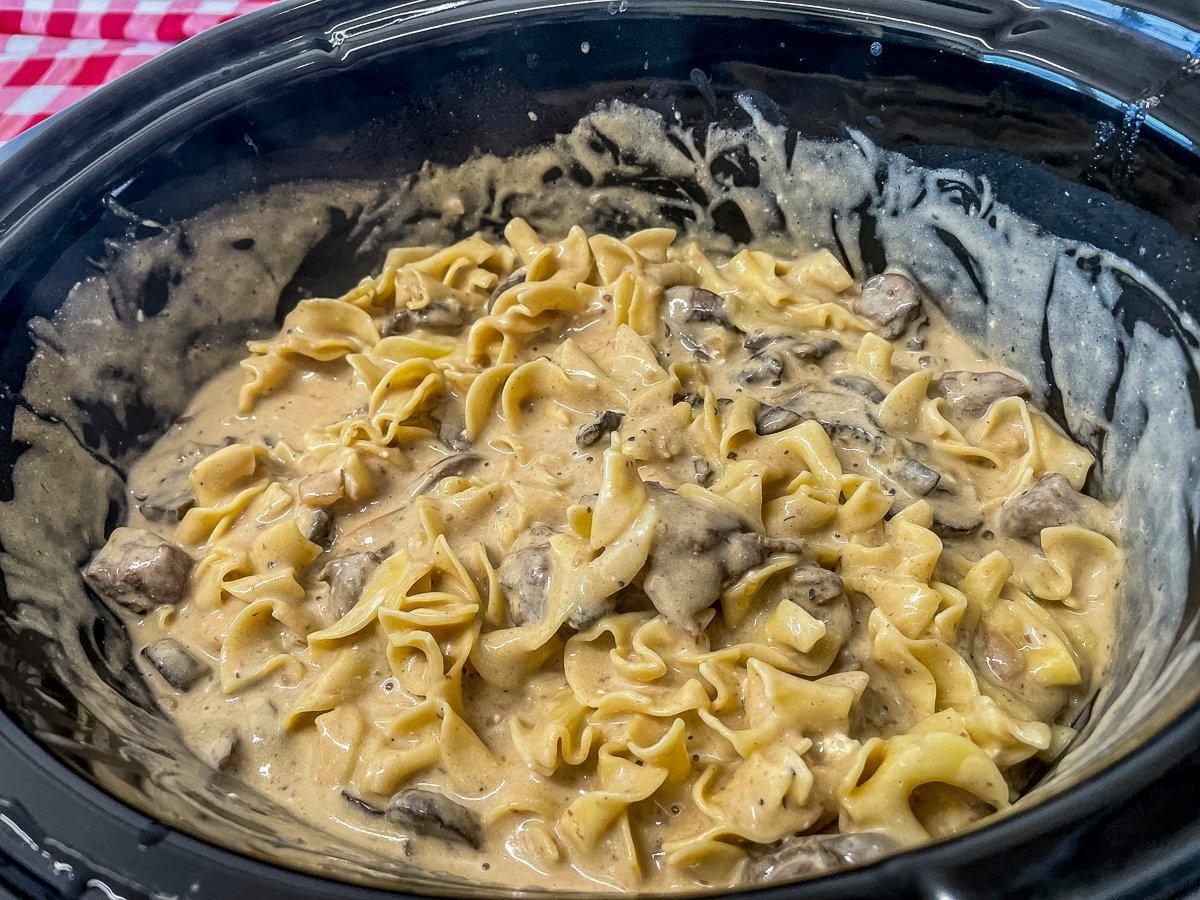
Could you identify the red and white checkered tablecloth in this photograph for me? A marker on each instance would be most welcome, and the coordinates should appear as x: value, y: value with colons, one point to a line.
x: 54, y: 52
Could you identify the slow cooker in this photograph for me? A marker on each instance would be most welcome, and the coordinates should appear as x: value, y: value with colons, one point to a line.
x: 1080, y: 115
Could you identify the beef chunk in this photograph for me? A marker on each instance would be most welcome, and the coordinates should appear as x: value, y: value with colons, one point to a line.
x: 889, y: 302
x: 1049, y: 502
x: 139, y: 570
x: 971, y: 394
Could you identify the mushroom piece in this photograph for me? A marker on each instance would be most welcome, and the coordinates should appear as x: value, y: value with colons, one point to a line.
x: 434, y: 815
x: 604, y: 425
x: 765, y: 366
x: 818, y: 348
x: 996, y: 657
x: 1050, y: 501
x: 816, y: 584
x: 842, y: 416
x: 763, y: 339
x: 346, y: 576
x: 517, y: 277
x: 972, y: 394
x: 814, y: 854
x: 864, y: 387
x: 315, y: 523
x: 175, y: 663
x: 956, y: 509
x: 169, y: 500
x: 889, y: 302
x: 452, y: 429
x: 139, y: 570
x: 222, y: 751
x: 437, y: 315
x: 702, y: 471
x: 686, y: 304
x: 773, y: 419
x: 915, y: 477
x: 525, y: 574
x: 172, y: 496
x: 696, y: 552
x: 454, y: 464
x: 322, y: 488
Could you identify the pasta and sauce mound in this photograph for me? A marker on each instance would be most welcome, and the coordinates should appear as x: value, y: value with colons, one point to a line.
x: 600, y: 562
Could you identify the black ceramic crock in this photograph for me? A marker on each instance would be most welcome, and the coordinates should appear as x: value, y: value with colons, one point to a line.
x: 1034, y: 95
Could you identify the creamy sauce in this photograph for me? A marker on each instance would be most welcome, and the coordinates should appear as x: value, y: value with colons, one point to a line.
x: 1048, y: 307
x: 1037, y: 647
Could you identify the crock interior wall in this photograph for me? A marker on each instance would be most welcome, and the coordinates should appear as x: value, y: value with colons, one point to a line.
x: 383, y: 113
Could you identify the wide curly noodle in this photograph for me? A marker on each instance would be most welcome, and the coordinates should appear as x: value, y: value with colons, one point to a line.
x: 628, y: 750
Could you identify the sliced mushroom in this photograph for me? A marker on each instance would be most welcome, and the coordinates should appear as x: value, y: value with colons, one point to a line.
x: 454, y: 464
x: 915, y: 477
x: 972, y: 394
x: 171, y: 497
x: 434, y: 815
x: 864, y: 387
x: 437, y: 315
x: 169, y: 500
x: 996, y: 657
x: 178, y: 667
x: 842, y: 416
x: 773, y: 419
x: 517, y: 277
x: 361, y: 805
x: 766, y: 366
x: 139, y: 570
x: 815, y: 854
x: 702, y: 471
x: 687, y: 304
x: 696, y: 552
x: 889, y: 302
x: 222, y: 751
x: 315, y: 523
x: 816, y: 584
x: 1049, y: 502
x: 525, y: 574
x: 762, y: 339
x: 452, y: 429
x: 604, y: 425
x: 956, y: 509
x: 814, y: 349
x: 346, y: 576
x: 322, y: 488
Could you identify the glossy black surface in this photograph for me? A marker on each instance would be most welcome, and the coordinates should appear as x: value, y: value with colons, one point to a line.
x: 1027, y: 94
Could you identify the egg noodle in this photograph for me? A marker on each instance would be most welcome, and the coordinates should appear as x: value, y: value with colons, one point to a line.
x: 595, y: 561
